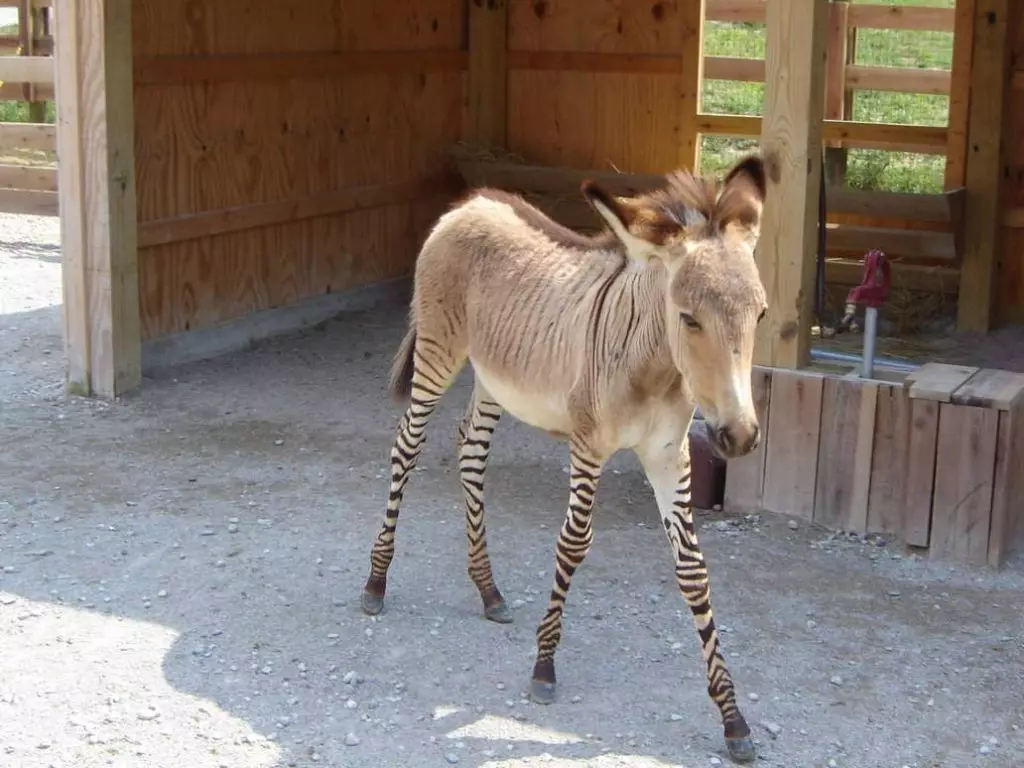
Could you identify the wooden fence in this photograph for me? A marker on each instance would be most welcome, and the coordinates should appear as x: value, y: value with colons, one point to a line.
x: 27, y: 74
x: 844, y: 76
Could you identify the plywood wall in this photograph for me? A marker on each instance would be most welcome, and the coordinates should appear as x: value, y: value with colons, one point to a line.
x: 1010, y: 278
x: 584, y: 119
x: 261, y: 126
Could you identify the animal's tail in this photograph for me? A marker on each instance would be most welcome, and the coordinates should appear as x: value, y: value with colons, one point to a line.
x: 400, y: 383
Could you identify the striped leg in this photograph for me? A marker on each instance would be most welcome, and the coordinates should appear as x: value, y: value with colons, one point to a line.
x: 474, y: 439
x: 430, y: 380
x: 666, y: 461
x: 574, y: 542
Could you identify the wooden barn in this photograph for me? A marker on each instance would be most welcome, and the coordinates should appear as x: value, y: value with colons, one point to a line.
x: 227, y: 166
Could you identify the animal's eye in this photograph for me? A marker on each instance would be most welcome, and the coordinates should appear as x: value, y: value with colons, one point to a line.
x: 761, y: 316
x: 689, y: 321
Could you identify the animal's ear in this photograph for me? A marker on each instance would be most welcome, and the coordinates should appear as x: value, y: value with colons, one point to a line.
x: 640, y: 228
x: 743, y: 193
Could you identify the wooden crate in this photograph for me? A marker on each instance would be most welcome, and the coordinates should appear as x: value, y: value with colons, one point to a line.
x: 933, y: 459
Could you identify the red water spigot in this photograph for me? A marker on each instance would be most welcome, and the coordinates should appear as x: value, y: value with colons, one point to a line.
x: 875, y: 283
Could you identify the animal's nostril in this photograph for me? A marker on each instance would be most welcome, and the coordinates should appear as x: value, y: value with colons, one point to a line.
x: 725, y: 439
x: 755, y: 438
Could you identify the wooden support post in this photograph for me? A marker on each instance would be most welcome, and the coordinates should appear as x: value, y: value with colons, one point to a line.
x: 990, y: 75
x: 488, y: 72
x: 691, y: 84
x: 960, y: 94
x: 791, y: 140
x: 836, y: 93
x: 95, y: 142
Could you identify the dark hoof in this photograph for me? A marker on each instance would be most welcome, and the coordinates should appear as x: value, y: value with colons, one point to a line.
x: 499, y: 612
x: 372, y: 604
x: 741, y: 750
x: 542, y: 692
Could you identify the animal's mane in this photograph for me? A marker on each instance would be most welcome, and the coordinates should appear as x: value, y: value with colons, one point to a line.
x: 701, y: 201
x: 534, y: 218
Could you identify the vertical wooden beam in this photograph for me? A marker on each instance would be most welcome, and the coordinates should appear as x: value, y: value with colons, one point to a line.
x: 960, y: 94
x: 837, y: 59
x: 791, y: 140
x: 990, y: 70
x: 487, y: 79
x: 96, y: 146
x: 691, y: 83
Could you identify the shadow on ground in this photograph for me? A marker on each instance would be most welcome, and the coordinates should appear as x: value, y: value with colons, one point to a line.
x: 181, y: 575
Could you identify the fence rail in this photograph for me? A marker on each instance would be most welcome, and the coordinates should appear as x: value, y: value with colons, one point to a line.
x: 27, y: 74
x: 843, y: 75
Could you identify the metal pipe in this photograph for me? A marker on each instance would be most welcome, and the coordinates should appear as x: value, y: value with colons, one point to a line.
x: 828, y: 356
x: 870, y: 332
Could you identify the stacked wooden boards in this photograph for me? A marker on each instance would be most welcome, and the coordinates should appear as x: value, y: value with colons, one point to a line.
x: 936, y: 459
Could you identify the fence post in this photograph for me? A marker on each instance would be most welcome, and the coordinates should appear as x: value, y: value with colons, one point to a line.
x: 837, y: 96
x: 691, y: 83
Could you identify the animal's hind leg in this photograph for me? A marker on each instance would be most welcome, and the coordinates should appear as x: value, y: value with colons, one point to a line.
x: 431, y: 378
x: 474, y: 439
x: 665, y: 457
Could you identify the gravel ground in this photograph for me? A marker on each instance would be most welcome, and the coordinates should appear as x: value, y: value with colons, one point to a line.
x: 180, y: 578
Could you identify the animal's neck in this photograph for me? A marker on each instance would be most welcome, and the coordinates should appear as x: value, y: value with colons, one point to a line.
x: 643, y: 342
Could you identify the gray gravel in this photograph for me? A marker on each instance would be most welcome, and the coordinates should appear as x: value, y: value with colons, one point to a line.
x: 180, y: 574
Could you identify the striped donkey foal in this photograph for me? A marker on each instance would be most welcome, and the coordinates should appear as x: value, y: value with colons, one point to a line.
x: 606, y: 342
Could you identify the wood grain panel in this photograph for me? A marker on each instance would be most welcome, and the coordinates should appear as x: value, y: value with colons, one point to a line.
x: 844, y: 454
x: 794, y: 427
x: 599, y: 121
x: 191, y: 27
x: 886, y: 505
x: 965, y: 462
x: 924, y: 430
x: 606, y: 26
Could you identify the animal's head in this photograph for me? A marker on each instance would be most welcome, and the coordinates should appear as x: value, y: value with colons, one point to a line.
x: 704, y: 234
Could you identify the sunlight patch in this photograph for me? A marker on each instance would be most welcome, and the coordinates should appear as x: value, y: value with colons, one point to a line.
x: 506, y: 729
x: 81, y: 688
x: 609, y: 760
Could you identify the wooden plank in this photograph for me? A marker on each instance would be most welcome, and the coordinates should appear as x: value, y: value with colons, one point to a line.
x: 791, y: 139
x: 964, y: 471
x: 910, y: 243
x: 867, y: 16
x: 541, y: 179
x: 744, y: 477
x: 886, y: 499
x: 835, y: 81
x: 960, y: 94
x: 264, y: 67
x: 27, y: 69
x: 28, y: 136
x: 924, y: 139
x: 924, y: 431
x: 13, y: 92
x: 794, y: 428
x: 96, y: 145
x: 938, y: 381
x: 915, y: 277
x: 691, y: 82
x: 991, y: 388
x: 989, y: 75
x: 898, y: 79
x: 844, y: 453
x: 903, y: 205
x: 1007, y: 510
x: 886, y: 16
x: 34, y: 177
x: 487, y: 83
x: 29, y: 202
x: 241, y: 218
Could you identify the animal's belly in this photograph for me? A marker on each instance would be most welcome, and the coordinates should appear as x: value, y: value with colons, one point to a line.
x: 544, y: 410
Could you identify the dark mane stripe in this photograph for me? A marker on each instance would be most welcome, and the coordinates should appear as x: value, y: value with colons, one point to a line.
x: 538, y: 220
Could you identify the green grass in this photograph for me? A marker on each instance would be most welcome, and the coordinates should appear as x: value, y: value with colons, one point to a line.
x: 867, y: 169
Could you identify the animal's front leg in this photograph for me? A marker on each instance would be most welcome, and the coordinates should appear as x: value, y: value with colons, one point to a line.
x: 666, y: 461
x: 574, y: 542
